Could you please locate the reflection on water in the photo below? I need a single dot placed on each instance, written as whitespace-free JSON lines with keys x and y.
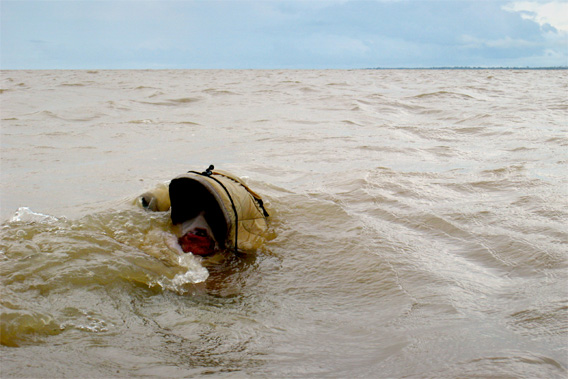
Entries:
{"x":417,"y":224}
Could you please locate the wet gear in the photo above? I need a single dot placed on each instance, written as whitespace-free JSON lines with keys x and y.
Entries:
{"x":235,"y":214}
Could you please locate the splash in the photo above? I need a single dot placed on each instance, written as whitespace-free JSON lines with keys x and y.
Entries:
{"x":194,"y":274}
{"x":25,"y":214}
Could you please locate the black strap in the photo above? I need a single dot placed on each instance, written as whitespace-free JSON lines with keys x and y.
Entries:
{"x":261,"y":203}
{"x":209,"y":172}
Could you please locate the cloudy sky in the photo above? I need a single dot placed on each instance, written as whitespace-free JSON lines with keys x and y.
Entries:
{"x":99,"y":34}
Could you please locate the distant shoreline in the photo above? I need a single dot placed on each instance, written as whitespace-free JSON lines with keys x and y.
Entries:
{"x":471,"y":68}
{"x":94,"y":70}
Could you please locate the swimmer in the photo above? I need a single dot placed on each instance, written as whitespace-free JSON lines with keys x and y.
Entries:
{"x":211,"y":211}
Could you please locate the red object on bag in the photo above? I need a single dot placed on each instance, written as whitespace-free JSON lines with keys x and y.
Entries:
{"x":197,"y":244}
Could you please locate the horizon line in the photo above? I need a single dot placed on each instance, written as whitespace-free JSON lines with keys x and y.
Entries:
{"x":299,"y":69}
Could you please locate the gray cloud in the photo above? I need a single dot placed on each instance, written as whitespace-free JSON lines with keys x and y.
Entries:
{"x":273,"y":34}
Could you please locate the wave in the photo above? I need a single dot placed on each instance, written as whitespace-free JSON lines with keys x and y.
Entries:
{"x":444,"y":94}
{"x":41,"y":115}
{"x":85,"y":260}
{"x":173,"y":102}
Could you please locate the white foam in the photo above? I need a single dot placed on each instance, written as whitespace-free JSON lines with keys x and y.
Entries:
{"x":195,"y":273}
{"x":25,"y":214}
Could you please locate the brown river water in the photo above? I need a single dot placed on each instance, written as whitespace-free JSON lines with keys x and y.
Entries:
{"x":417,"y":229}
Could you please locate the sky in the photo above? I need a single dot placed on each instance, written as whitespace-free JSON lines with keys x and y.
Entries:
{"x":272,"y":34}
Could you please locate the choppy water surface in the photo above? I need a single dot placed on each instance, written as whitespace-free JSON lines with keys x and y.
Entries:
{"x":418,"y":224}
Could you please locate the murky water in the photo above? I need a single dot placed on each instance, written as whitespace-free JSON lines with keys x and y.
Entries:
{"x":418,"y":224}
